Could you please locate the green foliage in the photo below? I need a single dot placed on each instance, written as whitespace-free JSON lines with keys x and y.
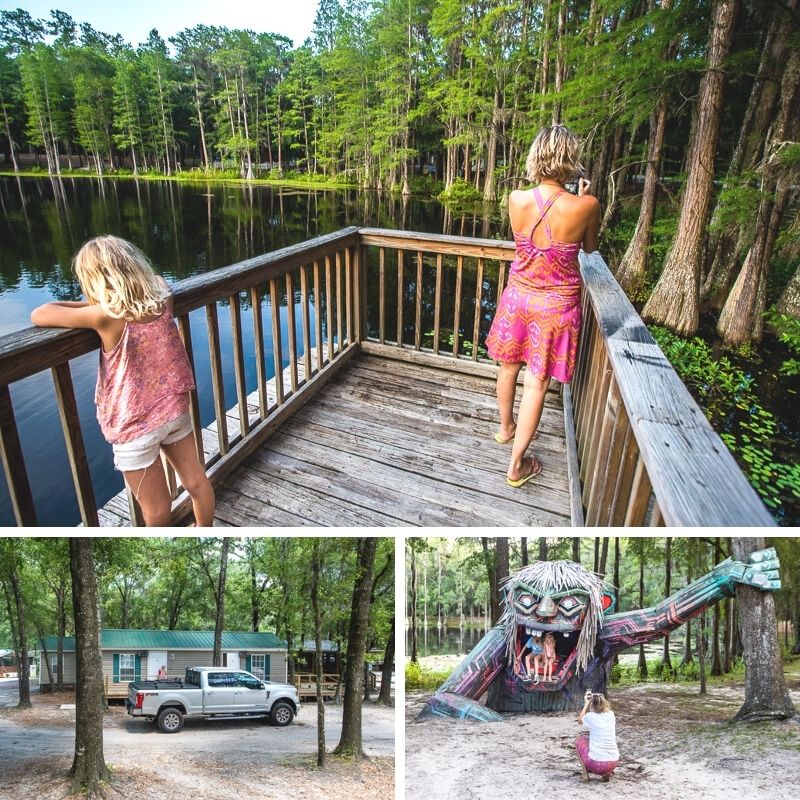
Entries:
{"x":787,"y":329}
{"x":423,"y":679}
{"x":461,"y":196}
{"x":727,"y":396}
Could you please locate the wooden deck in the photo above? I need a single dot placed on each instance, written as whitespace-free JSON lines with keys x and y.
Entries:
{"x":389,"y":443}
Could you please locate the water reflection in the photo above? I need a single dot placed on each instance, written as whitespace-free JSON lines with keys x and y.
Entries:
{"x":185,"y":228}
{"x":435,"y":641}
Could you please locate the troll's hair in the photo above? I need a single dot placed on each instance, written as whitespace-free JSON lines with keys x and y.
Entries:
{"x":554,"y":155}
{"x":118,"y":276}
{"x":543,"y":577}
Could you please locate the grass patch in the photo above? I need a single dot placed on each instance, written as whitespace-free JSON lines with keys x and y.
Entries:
{"x":423,"y":679}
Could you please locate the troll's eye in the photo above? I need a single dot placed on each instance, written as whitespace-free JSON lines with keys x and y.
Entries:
{"x":526,"y":601}
{"x":570,"y":605}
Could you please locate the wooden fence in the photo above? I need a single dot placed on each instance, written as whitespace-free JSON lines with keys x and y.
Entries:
{"x":640,"y":449}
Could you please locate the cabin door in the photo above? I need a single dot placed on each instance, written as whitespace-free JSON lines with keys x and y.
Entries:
{"x":232,"y":661}
{"x":155,"y":660}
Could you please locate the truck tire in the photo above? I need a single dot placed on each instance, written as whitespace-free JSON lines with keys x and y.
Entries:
{"x":170,"y":720}
{"x":281,"y":714}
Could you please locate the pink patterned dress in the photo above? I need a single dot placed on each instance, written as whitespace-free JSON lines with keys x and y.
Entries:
{"x":144,"y":382}
{"x":538,"y":319}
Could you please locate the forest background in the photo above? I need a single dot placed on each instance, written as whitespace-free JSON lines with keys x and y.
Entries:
{"x":689,"y":111}
{"x":452,"y":583}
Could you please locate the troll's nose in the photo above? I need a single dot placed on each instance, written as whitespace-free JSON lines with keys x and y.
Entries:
{"x":547,"y":608}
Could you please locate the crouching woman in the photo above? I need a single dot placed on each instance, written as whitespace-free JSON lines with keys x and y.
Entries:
{"x":598,"y":752}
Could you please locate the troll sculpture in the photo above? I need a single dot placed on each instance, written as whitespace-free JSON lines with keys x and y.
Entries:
{"x":573,"y":604}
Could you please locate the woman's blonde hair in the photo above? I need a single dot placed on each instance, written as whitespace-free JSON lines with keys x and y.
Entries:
{"x":118,"y":276}
{"x":599,"y":703}
{"x":554,"y":155}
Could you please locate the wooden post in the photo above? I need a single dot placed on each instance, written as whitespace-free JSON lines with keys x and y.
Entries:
{"x":290,"y":331}
{"x":329,"y":307}
{"x":437,"y":304}
{"x":216,"y":377}
{"x":339,"y":320}
{"x":476,"y":327}
{"x":306,"y":322}
{"x":418,"y":305}
{"x":258,"y":341}
{"x":238,"y":363}
{"x":457,"y":306}
{"x":277,"y":350}
{"x":318,"y":314}
{"x":381,"y":293}
{"x":14,"y":463}
{"x":76,"y":452}
{"x":400,"y":297}
{"x":185,"y":330}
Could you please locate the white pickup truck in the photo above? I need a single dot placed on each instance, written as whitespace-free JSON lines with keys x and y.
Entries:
{"x":211,"y":692}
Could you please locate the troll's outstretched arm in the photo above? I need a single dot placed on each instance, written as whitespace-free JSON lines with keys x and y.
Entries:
{"x":636,"y":627}
{"x":458,"y":695}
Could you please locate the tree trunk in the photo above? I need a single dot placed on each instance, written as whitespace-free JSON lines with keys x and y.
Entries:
{"x":414,"y":657}
{"x":633,"y":266}
{"x":642,"y":657}
{"x":524,"y":547}
{"x":542,"y":551}
{"x":576,"y":549}
{"x":489,"y":181}
{"x":716,"y":660}
{"x":490,"y":560}
{"x":765,"y":691}
{"x":740,"y":320}
{"x":88,"y":771}
{"x":789,"y":302}
{"x":61,"y":612}
{"x":385,"y":694}
{"x":665,"y":659}
{"x":23,"y":667}
{"x":316,"y":568}
{"x":603,"y":557}
{"x":674,"y":302}
{"x":219,"y":622}
{"x":687,"y":646}
{"x":350,"y":741}
{"x":501,"y":551}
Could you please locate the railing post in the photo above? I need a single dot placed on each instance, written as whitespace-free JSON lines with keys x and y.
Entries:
{"x":14,"y":463}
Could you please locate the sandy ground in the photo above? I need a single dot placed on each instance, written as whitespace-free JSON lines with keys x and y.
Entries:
{"x":208,"y":760}
{"x":674,"y":744}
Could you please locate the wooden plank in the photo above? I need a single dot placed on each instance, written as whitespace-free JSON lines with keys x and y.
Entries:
{"x":437,"y":243}
{"x":348,"y":268}
{"x":418,"y":305}
{"x":361,"y":264}
{"x":400,"y":298}
{"x":624,"y":482}
{"x":306,"y":316}
{"x":437,"y":304}
{"x":639,"y":497}
{"x":185,"y":331}
{"x":318,"y":314}
{"x":573,"y":470}
{"x":339,"y":314}
{"x":457,"y":306}
{"x":73,"y":438}
{"x":277,"y":349}
{"x":329,"y":307}
{"x":476,"y":328}
{"x":607,"y":460}
{"x":291,"y":333}
{"x":19,"y":487}
{"x":501,"y":275}
{"x":694,"y":475}
{"x":216,"y":375}
{"x":440,"y":361}
{"x":381,"y":295}
{"x":238,"y":362}
{"x":258,"y":340}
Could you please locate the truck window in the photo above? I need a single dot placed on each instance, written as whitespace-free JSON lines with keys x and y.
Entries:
{"x":192,"y":677}
{"x":219,"y":679}
{"x":248,"y":681}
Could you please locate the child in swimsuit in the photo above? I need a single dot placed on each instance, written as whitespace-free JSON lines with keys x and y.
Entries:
{"x":549,"y":656}
{"x":534,"y":644}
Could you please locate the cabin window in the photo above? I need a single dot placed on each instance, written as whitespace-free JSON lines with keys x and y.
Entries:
{"x":127,"y":667}
{"x":257,"y":666}
{"x":54,"y":666}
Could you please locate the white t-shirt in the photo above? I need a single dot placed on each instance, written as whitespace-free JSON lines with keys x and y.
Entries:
{"x":602,"y":735}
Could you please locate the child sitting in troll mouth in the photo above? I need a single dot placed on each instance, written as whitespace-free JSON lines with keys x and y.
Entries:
{"x":534,"y":644}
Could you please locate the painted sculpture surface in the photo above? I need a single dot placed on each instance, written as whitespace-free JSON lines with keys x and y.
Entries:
{"x":576,"y":606}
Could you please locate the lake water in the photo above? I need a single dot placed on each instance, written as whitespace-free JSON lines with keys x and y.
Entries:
{"x":185,"y":229}
{"x":189,"y":228}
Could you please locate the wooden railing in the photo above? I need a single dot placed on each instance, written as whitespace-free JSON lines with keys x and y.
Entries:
{"x":306,"y":684}
{"x":639,"y":449}
{"x":326,"y":272}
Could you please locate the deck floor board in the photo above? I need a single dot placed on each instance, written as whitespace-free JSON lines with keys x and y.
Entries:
{"x":393,"y":444}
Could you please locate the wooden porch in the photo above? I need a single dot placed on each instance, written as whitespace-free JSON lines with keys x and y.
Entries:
{"x":381,"y":406}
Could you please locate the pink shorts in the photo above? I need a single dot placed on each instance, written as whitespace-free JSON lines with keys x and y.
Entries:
{"x":595,"y":767}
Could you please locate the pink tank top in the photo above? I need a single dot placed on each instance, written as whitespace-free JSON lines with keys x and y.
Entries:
{"x":144,"y":381}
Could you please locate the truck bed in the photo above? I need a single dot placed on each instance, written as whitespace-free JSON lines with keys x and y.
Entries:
{"x":165,"y":685}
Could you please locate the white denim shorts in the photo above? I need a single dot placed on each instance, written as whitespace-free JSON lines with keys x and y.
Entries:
{"x":141,"y":452}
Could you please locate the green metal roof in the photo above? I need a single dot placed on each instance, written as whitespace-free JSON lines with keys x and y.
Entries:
{"x":119,"y":639}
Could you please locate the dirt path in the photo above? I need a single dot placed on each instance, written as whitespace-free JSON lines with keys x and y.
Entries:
{"x":212,"y":760}
{"x":674,"y":745}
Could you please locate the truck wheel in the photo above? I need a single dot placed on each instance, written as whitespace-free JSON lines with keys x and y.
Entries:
{"x":282,"y":714}
{"x":170,"y":720}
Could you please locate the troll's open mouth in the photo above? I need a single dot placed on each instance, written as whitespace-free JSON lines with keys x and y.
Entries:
{"x":566,"y":648}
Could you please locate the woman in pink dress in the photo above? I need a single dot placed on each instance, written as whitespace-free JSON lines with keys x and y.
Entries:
{"x":538,"y":318}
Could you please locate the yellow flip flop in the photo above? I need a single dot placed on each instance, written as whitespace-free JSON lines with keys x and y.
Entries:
{"x":525,"y":478}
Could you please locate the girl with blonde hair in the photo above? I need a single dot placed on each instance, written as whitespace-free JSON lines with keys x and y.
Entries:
{"x":144,"y":378}
{"x":598,"y":752}
{"x":538,"y":319}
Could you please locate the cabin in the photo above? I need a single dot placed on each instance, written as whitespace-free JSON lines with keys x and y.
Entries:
{"x":132,"y":655}
{"x":305,"y":672}
{"x":378,"y":409}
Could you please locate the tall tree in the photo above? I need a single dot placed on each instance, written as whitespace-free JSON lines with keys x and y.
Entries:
{"x":350,"y":741}
{"x":675,"y":299}
{"x":316,"y":570}
{"x":665,"y":659}
{"x":766,"y":696}
{"x":89,"y":770}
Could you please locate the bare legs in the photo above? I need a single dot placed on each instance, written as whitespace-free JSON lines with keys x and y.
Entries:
{"x":530,"y":412}
{"x":150,"y":488}
{"x":506,"y":391}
